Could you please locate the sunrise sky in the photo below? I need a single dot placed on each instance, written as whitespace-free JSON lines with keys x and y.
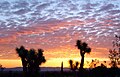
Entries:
{"x":54,"y":26}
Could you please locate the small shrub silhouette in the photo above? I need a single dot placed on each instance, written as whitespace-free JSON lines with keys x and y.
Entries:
{"x":93,"y":63}
{"x":1,"y":68}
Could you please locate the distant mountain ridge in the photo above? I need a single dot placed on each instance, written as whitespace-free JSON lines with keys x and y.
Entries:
{"x":42,"y":69}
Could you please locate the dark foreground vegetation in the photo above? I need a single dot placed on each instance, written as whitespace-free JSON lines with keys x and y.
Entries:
{"x":96,"y":72}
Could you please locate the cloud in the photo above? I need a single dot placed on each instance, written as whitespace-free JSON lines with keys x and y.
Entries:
{"x":87,"y":6}
{"x":5,"y":5}
{"x":42,"y":6}
{"x":19,"y":4}
{"x":106,"y":7}
{"x":21,"y":11}
{"x":114,"y":12}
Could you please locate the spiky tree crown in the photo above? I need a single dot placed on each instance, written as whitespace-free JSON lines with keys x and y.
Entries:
{"x":83,"y":46}
{"x":31,"y":55}
{"x":22,"y":52}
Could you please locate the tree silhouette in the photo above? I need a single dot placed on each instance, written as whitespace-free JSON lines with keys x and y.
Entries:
{"x":73,"y":66}
{"x":30,"y":59}
{"x":22,"y":52}
{"x":76,"y":65}
{"x":83,"y":47}
{"x":114,"y":54}
{"x":39,"y":59}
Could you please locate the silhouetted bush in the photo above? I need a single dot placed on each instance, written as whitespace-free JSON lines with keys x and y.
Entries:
{"x":100,"y":71}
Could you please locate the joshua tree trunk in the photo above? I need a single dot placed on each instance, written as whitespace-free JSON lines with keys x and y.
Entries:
{"x":37,"y":68}
{"x":82,"y":62}
{"x":82,"y":59}
{"x":24,"y":64}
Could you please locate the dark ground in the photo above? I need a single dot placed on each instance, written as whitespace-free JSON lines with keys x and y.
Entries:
{"x":86,"y":73}
{"x":42,"y":74}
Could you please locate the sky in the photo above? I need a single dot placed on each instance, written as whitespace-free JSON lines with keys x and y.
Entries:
{"x":54,"y":26}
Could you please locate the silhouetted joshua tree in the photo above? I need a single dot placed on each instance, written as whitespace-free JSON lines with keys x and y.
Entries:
{"x":73,"y":66}
{"x":83,"y":47}
{"x":22,"y":52}
{"x":76,"y":65}
{"x":39,"y":59}
{"x":30,"y":59}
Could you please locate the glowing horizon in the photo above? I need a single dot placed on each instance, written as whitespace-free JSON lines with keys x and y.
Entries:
{"x":53,"y":62}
